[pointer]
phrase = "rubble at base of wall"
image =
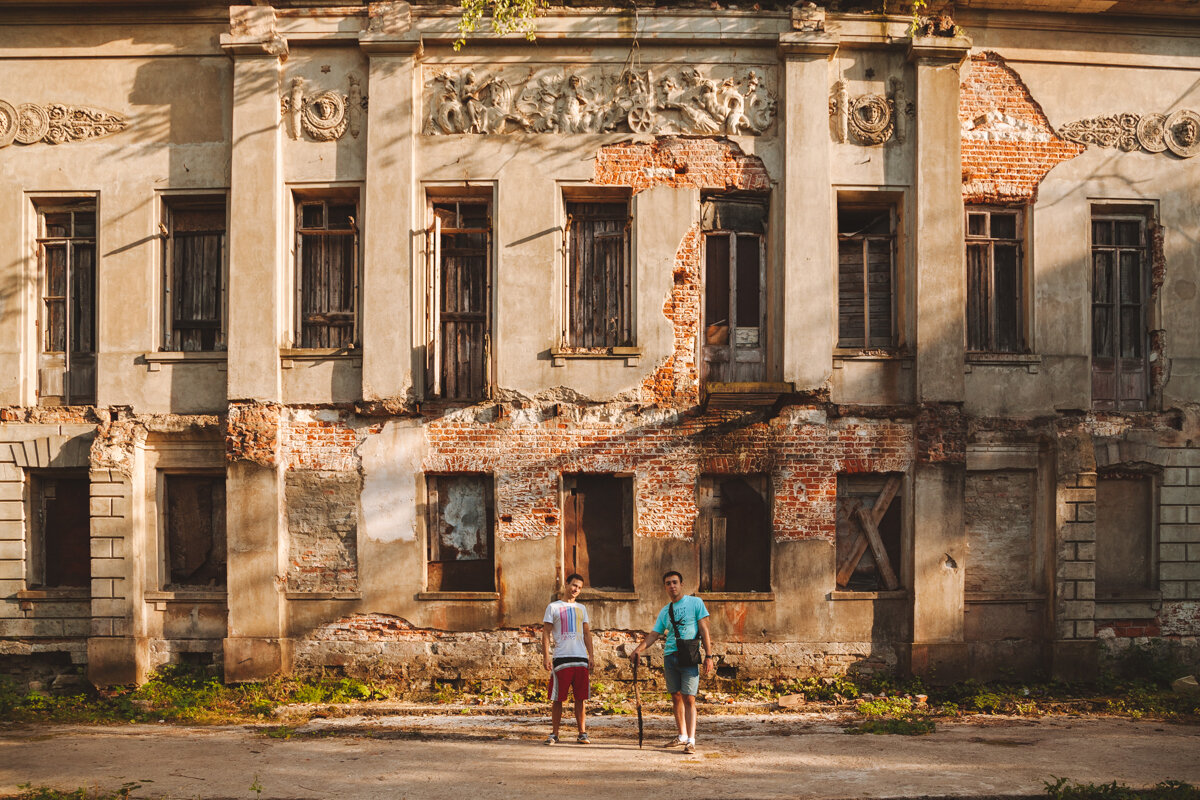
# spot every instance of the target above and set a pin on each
(391, 649)
(1123, 654)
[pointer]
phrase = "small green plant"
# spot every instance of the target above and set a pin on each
(910, 726)
(886, 707)
(256, 787)
(1066, 789)
(508, 16)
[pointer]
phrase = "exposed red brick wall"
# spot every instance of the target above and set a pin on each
(942, 434)
(252, 433)
(682, 162)
(668, 452)
(1129, 627)
(1008, 146)
(321, 440)
(676, 381)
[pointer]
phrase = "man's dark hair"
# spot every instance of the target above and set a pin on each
(574, 576)
(672, 572)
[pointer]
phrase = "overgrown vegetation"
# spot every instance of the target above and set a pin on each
(1065, 789)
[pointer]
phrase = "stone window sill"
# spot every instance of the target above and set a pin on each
(472, 596)
(160, 599)
(154, 361)
(1004, 597)
(841, 354)
(1030, 361)
(55, 595)
(600, 594)
(736, 597)
(898, 594)
(323, 595)
(1143, 605)
(306, 355)
(631, 355)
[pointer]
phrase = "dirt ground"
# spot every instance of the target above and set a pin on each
(475, 758)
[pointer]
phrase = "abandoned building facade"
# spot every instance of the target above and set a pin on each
(324, 344)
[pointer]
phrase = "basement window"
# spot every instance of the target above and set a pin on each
(1124, 535)
(866, 276)
(194, 274)
(327, 271)
(995, 280)
(734, 533)
(60, 546)
(194, 520)
(598, 530)
(599, 276)
(460, 528)
(869, 523)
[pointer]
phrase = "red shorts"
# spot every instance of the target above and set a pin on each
(574, 679)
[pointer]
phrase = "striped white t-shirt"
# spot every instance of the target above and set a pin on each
(567, 621)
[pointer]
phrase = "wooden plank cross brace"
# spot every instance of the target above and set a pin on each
(869, 537)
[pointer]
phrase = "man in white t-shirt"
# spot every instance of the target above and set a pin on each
(567, 623)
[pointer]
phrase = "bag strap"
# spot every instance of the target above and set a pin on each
(674, 624)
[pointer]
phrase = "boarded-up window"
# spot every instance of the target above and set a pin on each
(327, 258)
(60, 550)
(734, 289)
(734, 533)
(995, 280)
(460, 524)
(458, 286)
(869, 520)
(999, 510)
(599, 278)
(67, 280)
(194, 263)
(195, 530)
(598, 530)
(1124, 535)
(1120, 290)
(866, 273)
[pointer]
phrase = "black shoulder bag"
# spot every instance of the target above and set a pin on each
(687, 651)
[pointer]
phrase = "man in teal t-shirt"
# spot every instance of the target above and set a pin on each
(682, 682)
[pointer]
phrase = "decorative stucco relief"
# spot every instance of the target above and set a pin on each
(870, 119)
(595, 100)
(1178, 132)
(55, 123)
(326, 115)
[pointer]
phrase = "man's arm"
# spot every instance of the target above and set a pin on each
(650, 639)
(710, 664)
(587, 642)
(546, 628)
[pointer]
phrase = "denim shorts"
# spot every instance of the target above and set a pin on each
(680, 680)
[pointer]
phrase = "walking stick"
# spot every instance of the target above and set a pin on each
(637, 695)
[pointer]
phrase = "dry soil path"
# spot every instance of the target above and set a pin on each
(476, 758)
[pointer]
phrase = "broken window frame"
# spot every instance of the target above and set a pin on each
(39, 548)
(166, 579)
(308, 325)
(438, 321)
(176, 273)
(584, 327)
(712, 534)
(869, 340)
(624, 485)
(984, 333)
(747, 358)
(868, 538)
(1121, 366)
(435, 566)
(79, 322)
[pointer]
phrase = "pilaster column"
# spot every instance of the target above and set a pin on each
(939, 536)
(809, 291)
(393, 122)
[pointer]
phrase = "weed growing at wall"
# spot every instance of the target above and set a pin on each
(1066, 789)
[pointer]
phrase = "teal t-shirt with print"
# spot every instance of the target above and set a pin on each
(688, 610)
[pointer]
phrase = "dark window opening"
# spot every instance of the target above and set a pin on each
(995, 281)
(1120, 296)
(598, 530)
(1124, 535)
(195, 275)
(327, 255)
(67, 266)
(61, 546)
(599, 275)
(866, 276)
(460, 521)
(734, 533)
(869, 521)
(195, 530)
(459, 299)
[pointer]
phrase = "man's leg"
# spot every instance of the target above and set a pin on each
(677, 702)
(556, 715)
(689, 703)
(580, 712)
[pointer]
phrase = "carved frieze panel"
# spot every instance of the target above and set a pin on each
(1178, 132)
(569, 100)
(55, 123)
(323, 115)
(870, 119)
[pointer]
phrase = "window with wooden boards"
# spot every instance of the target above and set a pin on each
(1120, 295)
(194, 274)
(458, 299)
(995, 280)
(598, 530)
(868, 531)
(194, 522)
(66, 244)
(460, 529)
(734, 532)
(60, 546)
(866, 276)
(327, 272)
(599, 275)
